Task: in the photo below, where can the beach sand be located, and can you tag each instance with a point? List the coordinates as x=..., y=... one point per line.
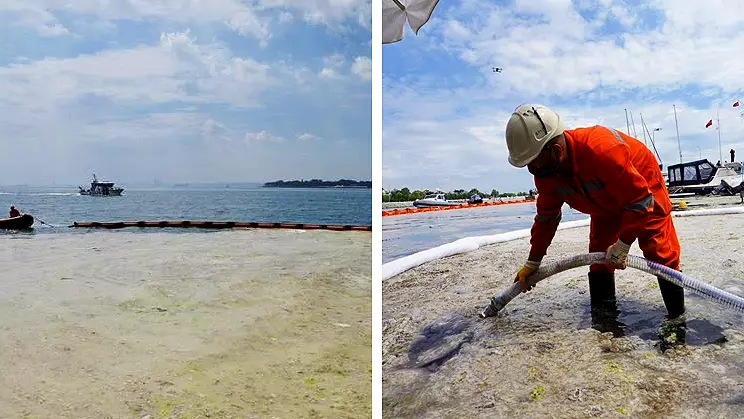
x=540, y=357
x=248, y=324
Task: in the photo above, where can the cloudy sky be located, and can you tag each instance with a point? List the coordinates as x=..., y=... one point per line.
x=445, y=110
x=184, y=90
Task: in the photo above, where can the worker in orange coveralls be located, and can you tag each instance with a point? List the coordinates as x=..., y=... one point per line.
x=608, y=175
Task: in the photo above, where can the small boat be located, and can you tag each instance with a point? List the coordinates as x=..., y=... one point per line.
x=21, y=222
x=434, y=200
x=475, y=199
x=531, y=196
x=101, y=189
x=702, y=177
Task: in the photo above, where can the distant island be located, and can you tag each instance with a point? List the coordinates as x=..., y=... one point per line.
x=318, y=183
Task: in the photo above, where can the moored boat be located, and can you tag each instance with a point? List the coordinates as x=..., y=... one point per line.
x=434, y=200
x=17, y=223
x=702, y=177
x=101, y=189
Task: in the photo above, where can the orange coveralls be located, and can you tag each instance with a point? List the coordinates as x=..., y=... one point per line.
x=616, y=181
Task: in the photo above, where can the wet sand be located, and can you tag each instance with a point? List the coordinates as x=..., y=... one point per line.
x=545, y=356
x=234, y=324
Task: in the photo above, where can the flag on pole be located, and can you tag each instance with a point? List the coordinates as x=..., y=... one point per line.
x=710, y=122
x=736, y=103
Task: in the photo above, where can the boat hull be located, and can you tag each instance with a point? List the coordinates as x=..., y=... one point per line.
x=112, y=192
x=17, y=223
x=422, y=203
x=730, y=182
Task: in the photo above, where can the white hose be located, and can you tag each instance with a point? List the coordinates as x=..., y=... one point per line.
x=468, y=244
x=678, y=278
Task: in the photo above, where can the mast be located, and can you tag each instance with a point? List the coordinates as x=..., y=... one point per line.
x=627, y=124
x=677, y=126
x=653, y=143
x=718, y=120
x=635, y=134
x=644, y=131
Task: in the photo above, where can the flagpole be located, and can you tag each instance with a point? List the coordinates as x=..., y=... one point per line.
x=677, y=126
x=720, y=149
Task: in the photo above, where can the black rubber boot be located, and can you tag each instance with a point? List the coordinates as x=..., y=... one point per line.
x=674, y=297
x=604, y=308
x=601, y=287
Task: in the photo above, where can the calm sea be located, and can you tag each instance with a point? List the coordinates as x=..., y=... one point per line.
x=403, y=235
x=61, y=206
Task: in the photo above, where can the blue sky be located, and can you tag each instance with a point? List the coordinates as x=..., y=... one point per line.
x=184, y=91
x=445, y=110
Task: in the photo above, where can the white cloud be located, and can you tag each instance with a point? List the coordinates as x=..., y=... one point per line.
x=328, y=12
x=176, y=68
x=335, y=67
x=568, y=55
x=331, y=66
x=306, y=136
x=212, y=129
x=435, y=134
x=89, y=85
x=252, y=19
x=362, y=67
x=262, y=136
x=32, y=15
x=285, y=17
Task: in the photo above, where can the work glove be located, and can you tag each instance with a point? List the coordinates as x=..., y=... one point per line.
x=529, y=268
x=617, y=255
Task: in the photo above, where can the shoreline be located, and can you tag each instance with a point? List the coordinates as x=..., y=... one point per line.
x=407, y=204
x=234, y=323
x=697, y=200
x=439, y=359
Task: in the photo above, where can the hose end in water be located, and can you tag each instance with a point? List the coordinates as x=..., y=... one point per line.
x=493, y=308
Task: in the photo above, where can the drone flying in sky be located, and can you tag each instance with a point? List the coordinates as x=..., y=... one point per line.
x=497, y=69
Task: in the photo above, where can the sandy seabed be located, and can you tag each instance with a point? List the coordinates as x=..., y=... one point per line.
x=544, y=356
x=232, y=324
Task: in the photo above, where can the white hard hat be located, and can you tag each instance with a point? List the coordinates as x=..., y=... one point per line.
x=528, y=130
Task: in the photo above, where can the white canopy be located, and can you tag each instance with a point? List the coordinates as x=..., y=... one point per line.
x=395, y=13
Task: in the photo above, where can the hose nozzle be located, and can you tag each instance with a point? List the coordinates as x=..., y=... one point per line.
x=493, y=308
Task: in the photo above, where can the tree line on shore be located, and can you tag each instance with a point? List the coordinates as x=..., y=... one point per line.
x=405, y=194
x=318, y=183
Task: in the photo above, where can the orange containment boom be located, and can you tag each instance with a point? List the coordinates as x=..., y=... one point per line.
x=403, y=211
x=217, y=225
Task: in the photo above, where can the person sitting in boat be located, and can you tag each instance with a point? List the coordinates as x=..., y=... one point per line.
x=603, y=173
x=14, y=212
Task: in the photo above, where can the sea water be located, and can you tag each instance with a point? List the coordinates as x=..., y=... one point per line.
x=61, y=206
x=403, y=235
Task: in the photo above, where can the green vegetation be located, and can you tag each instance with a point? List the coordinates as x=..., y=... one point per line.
x=537, y=392
x=405, y=194
x=318, y=183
